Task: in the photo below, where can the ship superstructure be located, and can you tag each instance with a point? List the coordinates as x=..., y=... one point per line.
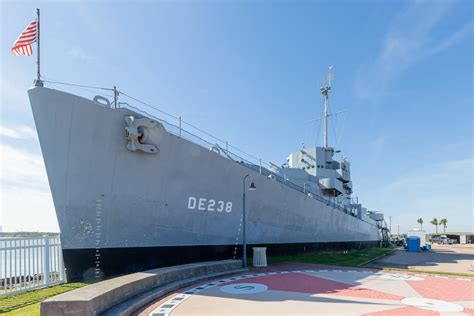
x=132, y=191
x=316, y=170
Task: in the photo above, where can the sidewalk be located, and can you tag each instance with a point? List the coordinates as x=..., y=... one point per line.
x=442, y=258
x=294, y=289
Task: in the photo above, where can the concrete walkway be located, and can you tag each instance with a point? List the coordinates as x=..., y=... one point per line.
x=303, y=289
x=442, y=258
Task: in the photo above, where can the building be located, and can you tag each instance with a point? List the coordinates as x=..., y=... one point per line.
x=458, y=237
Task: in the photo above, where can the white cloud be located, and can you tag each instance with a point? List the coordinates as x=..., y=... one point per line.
x=427, y=191
x=455, y=37
x=378, y=145
x=26, y=209
x=10, y=93
x=14, y=103
x=25, y=198
x=79, y=53
x=21, y=168
x=18, y=132
x=411, y=37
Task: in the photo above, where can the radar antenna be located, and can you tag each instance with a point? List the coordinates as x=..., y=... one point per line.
x=325, y=90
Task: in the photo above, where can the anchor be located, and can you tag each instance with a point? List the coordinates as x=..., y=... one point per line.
x=135, y=131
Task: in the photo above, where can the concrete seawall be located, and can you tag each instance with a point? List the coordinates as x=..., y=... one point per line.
x=97, y=298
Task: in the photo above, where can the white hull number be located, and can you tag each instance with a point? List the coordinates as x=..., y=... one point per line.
x=210, y=205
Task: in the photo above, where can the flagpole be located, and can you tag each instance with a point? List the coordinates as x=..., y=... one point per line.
x=38, y=81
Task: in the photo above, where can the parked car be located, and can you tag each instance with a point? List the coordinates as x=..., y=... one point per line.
x=399, y=241
x=442, y=240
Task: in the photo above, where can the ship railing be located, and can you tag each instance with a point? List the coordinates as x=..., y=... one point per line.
x=197, y=136
x=177, y=126
x=28, y=263
x=305, y=190
x=256, y=165
x=178, y=130
x=251, y=163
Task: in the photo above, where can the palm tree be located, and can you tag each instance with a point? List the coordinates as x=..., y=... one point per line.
x=434, y=221
x=420, y=221
x=444, y=222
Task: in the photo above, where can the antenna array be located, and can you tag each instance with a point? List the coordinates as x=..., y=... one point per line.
x=325, y=90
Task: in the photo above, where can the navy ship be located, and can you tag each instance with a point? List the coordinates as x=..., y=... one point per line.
x=132, y=191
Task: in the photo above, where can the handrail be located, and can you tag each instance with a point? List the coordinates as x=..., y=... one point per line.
x=179, y=131
x=246, y=163
x=28, y=263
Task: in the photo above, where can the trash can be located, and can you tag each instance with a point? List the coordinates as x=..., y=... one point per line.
x=413, y=244
x=259, y=256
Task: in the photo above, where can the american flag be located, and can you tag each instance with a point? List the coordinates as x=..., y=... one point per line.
x=22, y=45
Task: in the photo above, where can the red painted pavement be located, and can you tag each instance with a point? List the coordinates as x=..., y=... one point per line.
x=469, y=311
x=404, y=311
x=448, y=289
x=303, y=283
x=444, y=289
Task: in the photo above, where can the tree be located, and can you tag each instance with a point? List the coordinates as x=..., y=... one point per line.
x=444, y=222
x=420, y=221
x=434, y=221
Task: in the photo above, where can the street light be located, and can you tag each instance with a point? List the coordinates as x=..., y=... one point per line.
x=244, y=218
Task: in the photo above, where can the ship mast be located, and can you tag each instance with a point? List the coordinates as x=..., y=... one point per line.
x=325, y=90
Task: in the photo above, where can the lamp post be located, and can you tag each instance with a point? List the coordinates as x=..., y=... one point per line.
x=244, y=219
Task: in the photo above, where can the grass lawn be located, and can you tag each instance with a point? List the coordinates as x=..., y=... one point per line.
x=338, y=258
x=30, y=310
x=27, y=303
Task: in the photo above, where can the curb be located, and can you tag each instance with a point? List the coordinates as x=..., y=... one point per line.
x=134, y=304
x=376, y=258
x=99, y=297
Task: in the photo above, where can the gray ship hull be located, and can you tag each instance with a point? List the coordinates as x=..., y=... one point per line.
x=108, y=197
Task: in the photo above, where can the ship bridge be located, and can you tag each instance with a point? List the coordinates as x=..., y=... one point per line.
x=315, y=168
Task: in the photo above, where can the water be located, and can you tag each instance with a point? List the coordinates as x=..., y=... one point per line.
x=26, y=256
x=28, y=263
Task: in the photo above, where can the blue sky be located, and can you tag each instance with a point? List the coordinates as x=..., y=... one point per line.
x=248, y=71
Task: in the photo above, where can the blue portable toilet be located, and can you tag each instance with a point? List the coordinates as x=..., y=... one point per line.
x=413, y=244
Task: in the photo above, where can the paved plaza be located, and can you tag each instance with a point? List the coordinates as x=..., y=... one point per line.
x=294, y=289
x=442, y=258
